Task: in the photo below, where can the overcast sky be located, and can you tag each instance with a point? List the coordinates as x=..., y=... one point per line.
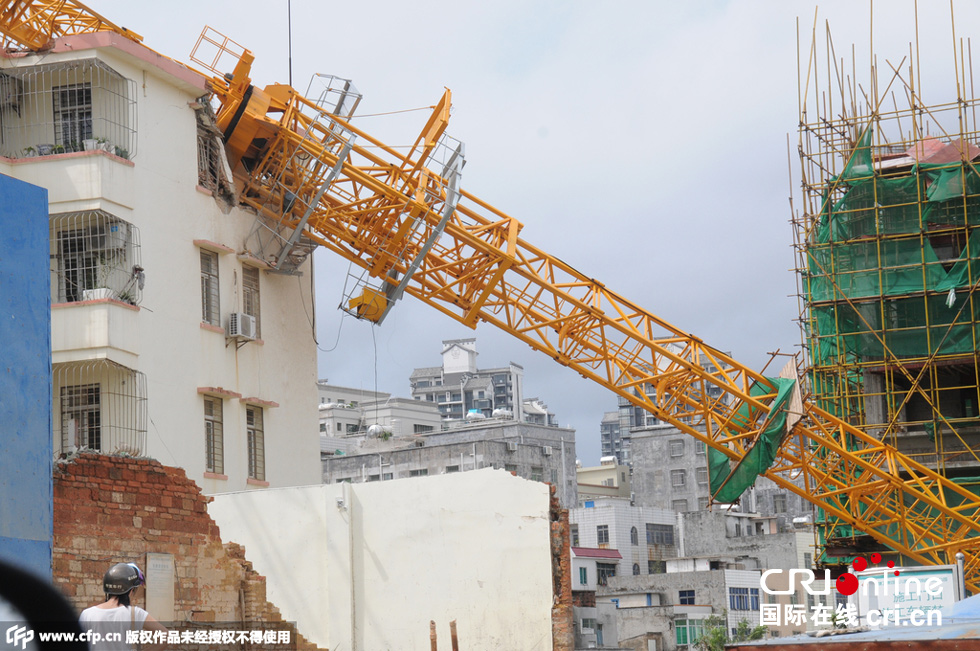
x=644, y=143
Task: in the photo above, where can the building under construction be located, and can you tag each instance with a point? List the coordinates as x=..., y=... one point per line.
x=888, y=251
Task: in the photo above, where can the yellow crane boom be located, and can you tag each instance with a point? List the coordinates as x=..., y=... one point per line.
x=403, y=219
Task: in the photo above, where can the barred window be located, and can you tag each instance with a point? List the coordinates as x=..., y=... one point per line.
x=81, y=417
x=210, y=312
x=602, y=534
x=72, y=115
x=256, y=442
x=250, y=297
x=213, y=436
x=660, y=534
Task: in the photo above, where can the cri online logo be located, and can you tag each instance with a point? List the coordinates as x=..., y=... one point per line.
x=847, y=583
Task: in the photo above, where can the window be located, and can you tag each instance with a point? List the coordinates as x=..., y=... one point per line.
x=702, y=504
x=256, y=442
x=209, y=288
x=807, y=560
x=214, y=447
x=510, y=467
x=702, y=475
x=386, y=476
x=72, y=115
x=656, y=567
x=537, y=473
x=678, y=478
x=604, y=571
x=636, y=570
x=660, y=534
x=81, y=417
x=602, y=534
x=574, y=535
x=688, y=631
x=554, y=475
x=250, y=297
x=452, y=469
x=679, y=505
x=421, y=429
x=743, y=598
x=779, y=504
x=686, y=597
x=583, y=575
x=420, y=472
x=700, y=447
x=634, y=537
x=677, y=448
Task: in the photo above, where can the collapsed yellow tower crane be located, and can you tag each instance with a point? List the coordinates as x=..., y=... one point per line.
x=314, y=177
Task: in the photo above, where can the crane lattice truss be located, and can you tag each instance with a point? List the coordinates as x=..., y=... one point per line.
x=36, y=23
x=401, y=217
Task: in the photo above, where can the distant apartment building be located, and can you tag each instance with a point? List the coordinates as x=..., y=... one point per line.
x=608, y=479
x=460, y=389
x=716, y=572
x=670, y=471
x=644, y=537
x=667, y=612
x=346, y=413
x=373, y=449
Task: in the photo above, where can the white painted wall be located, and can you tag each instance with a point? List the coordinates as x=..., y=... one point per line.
x=372, y=573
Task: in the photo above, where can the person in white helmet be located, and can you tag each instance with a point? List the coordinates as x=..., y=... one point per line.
x=110, y=619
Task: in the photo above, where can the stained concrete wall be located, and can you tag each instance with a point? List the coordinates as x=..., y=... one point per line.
x=367, y=566
x=25, y=377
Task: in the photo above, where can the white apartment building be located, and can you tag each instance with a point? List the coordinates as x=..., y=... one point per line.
x=459, y=388
x=171, y=338
x=645, y=537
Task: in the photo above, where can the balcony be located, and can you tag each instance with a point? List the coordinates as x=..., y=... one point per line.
x=102, y=328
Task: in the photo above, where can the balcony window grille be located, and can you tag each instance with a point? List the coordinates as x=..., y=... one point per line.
x=69, y=106
x=99, y=405
x=94, y=255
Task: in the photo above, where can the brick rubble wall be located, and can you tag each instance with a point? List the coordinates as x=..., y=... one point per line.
x=116, y=509
x=562, y=618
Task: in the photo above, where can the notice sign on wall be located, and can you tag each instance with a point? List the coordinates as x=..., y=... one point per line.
x=160, y=586
x=906, y=596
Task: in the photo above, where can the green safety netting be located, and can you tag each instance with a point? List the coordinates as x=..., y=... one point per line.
x=728, y=484
x=883, y=240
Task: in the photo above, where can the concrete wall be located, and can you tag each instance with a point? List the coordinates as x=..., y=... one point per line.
x=367, y=566
x=653, y=463
x=25, y=378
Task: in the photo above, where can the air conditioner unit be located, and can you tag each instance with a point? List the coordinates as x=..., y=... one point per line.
x=512, y=446
x=547, y=450
x=241, y=326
